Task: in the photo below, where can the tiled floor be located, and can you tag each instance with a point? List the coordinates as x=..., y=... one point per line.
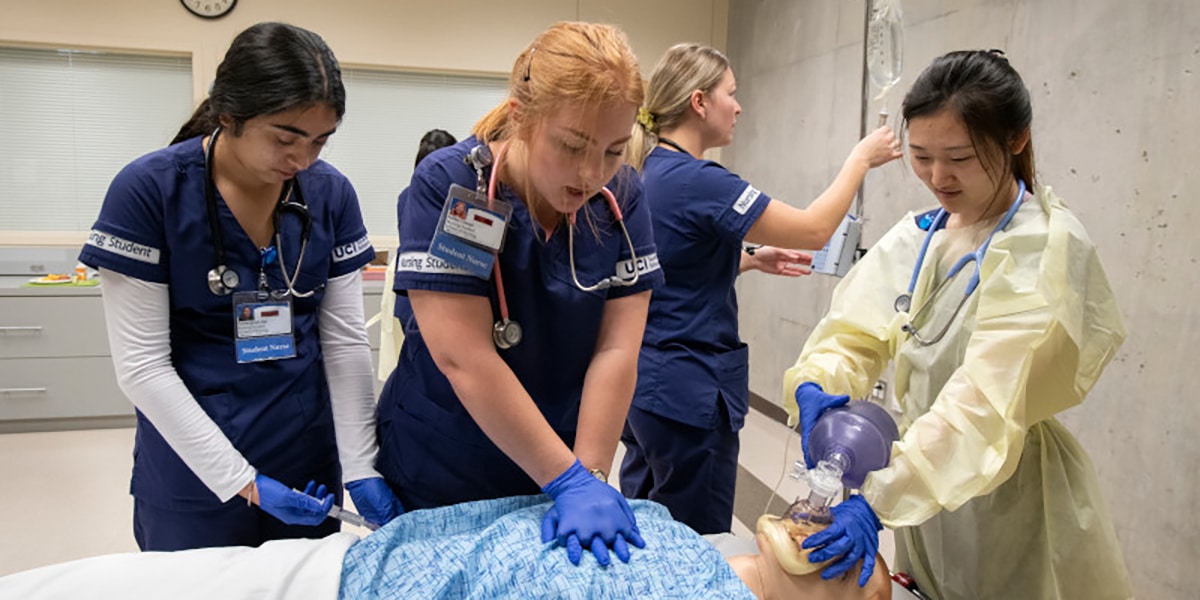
x=67, y=493
x=66, y=497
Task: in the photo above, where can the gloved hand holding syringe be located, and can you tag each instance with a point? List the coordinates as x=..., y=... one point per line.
x=343, y=515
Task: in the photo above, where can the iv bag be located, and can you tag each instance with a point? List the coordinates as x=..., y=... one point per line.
x=885, y=44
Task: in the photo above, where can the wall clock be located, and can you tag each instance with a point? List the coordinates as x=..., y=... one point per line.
x=209, y=9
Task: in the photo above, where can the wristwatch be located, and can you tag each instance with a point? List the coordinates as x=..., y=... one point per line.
x=599, y=474
x=750, y=248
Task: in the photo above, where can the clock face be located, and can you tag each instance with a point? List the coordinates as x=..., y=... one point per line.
x=209, y=9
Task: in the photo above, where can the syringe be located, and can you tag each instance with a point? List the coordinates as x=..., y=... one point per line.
x=346, y=516
x=352, y=518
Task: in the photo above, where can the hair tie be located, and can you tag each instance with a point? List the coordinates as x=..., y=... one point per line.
x=529, y=65
x=646, y=119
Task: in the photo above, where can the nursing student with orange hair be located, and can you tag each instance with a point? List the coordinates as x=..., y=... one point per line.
x=529, y=313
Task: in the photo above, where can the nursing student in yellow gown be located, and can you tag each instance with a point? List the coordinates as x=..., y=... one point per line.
x=989, y=495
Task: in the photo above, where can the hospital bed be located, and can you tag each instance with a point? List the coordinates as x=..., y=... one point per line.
x=461, y=551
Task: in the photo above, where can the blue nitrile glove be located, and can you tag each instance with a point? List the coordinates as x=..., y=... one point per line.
x=854, y=535
x=309, y=507
x=813, y=402
x=589, y=512
x=375, y=500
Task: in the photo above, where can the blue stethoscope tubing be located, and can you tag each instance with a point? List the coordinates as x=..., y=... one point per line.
x=904, y=301
x=221, y=279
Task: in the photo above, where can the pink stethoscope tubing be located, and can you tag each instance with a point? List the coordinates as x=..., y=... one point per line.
x=506, y=332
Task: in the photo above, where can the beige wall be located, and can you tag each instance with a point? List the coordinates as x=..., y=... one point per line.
x=472, y=36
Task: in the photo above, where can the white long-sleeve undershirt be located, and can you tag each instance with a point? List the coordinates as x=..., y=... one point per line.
x=138, y=321
x=351, y=377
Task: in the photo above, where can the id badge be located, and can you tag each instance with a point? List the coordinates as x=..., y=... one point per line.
x=262, y=327
x=469, y=233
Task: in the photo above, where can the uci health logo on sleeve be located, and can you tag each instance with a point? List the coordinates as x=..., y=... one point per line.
x=645, y=264
x=348, y=251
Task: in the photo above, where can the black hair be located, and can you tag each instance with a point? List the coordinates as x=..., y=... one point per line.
x=269, y=68
x=434, y=139
x=990, y=98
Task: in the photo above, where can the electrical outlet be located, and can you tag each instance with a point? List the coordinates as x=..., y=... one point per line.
x=879, y=393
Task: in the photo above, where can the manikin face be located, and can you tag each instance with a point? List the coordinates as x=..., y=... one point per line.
x=273, y=148
x=785, y=537
x=574, y=152
x=721, y=109
x=944, y=158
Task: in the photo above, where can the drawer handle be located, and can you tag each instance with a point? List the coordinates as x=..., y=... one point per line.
x=37, y=390
x=21, y=329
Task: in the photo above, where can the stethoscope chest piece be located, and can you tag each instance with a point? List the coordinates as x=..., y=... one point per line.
x=903, y=302
x=222, y=280
x=506, y=334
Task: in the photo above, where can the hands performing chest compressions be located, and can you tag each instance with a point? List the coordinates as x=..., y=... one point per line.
x=516, y=224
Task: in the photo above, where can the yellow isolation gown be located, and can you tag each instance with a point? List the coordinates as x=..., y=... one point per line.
x=990, y=496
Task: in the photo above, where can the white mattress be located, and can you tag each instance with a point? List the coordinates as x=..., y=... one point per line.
x=304, y=569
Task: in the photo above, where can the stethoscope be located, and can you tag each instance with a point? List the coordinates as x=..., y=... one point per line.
x=222, y=280
x=506, y=333
x=904, y=301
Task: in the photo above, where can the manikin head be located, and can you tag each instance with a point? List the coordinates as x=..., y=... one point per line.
x=781, y=571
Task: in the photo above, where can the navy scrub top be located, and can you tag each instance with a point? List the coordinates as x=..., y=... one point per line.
x=402, y=308
x=154, y=226
x=691, y=353
x=430, y=447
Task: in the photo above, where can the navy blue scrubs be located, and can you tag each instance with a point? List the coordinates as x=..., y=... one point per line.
x=681, y=436
x=154, y=226
x=431, y=451
x=402, y=308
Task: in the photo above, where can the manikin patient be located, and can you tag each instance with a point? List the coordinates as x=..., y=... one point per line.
x=471, y=550
x=781, y=569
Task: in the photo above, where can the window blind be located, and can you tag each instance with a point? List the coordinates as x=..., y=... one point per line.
x=73, y=118
x=70, y=119
x=387, y=113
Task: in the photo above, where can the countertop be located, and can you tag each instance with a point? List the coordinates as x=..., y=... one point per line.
x=10, y=285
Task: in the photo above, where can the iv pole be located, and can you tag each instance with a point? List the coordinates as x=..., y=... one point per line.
x=866, y=104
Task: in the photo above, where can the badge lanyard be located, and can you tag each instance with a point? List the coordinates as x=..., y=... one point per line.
x=262, y=319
